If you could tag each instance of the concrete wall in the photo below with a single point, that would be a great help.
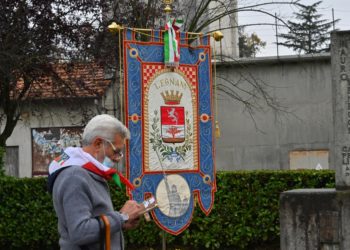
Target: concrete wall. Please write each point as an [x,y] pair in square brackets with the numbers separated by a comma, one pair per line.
[315,219]
[341,106]
[302,84]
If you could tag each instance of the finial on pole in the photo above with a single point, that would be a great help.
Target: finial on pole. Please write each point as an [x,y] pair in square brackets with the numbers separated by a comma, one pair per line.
[217,36]
[114,27]
[168,8]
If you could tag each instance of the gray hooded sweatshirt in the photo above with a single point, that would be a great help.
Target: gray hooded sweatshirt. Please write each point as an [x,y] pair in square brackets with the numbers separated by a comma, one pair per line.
[79,196]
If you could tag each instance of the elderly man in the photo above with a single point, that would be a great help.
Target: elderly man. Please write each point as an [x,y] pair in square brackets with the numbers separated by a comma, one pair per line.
[78,181]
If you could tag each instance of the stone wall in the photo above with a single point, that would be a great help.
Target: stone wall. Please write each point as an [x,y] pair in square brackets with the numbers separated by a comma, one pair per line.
[315,219]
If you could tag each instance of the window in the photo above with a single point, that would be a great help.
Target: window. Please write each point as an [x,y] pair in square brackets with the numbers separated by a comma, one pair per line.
[309,159]
[11,161]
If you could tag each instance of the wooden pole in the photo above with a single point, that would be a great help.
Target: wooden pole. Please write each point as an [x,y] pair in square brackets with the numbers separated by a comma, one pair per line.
[163,240]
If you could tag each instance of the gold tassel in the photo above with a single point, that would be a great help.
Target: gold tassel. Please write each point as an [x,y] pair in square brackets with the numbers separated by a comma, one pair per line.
[217,130]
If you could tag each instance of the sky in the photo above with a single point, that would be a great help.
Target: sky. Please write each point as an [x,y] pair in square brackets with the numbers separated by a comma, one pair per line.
[267,33]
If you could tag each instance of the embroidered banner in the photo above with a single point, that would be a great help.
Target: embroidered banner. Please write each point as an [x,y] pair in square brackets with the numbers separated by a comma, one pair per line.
[169,112]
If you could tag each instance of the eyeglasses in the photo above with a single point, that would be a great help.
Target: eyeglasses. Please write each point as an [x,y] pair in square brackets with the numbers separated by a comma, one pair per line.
[117,152]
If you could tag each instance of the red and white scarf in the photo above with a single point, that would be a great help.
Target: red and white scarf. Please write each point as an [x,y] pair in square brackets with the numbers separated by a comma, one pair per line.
[74,156]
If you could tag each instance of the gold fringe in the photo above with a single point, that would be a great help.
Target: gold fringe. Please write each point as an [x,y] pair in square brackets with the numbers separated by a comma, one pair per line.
[217,130]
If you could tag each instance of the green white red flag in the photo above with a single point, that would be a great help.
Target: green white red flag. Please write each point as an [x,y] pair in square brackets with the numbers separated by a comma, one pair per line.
[172,42]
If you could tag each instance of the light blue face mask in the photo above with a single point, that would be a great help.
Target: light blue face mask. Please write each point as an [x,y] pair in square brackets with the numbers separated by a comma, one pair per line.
[108,162]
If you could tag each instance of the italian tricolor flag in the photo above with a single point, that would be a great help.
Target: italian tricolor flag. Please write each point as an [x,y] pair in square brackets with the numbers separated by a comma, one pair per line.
[171,42]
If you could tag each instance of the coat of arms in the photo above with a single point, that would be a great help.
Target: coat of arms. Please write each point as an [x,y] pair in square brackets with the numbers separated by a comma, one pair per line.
[172,118]
[171,132]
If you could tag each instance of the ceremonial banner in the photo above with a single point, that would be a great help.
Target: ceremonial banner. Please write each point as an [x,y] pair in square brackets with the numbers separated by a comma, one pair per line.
[170,154]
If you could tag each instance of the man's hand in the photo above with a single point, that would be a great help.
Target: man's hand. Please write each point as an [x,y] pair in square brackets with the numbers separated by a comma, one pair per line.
[133,209]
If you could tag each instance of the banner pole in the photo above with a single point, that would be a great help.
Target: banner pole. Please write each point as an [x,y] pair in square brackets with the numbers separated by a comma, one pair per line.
[163,240]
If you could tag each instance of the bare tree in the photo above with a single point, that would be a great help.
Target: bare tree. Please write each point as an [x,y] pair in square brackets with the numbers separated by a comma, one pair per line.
[210,11]
[36,36]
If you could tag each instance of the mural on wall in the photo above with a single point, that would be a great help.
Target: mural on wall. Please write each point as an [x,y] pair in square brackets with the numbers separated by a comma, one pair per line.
[48,143]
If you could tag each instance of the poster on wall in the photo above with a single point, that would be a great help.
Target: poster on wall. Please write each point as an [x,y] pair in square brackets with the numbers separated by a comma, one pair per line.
[48,143]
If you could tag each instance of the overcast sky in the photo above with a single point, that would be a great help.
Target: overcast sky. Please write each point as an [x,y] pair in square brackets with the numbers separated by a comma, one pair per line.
[268,33]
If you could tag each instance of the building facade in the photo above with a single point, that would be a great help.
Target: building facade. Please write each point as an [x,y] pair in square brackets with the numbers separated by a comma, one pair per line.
[301,136]
[298,137]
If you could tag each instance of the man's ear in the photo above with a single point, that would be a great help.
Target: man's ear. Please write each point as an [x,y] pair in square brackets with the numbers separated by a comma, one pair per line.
[97,142]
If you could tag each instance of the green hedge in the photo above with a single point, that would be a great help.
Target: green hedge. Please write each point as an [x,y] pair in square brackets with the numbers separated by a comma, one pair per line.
[244,216]
[2,163]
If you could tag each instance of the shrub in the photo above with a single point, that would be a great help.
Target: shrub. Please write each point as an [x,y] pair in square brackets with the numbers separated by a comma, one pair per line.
[2,163]
[28,219]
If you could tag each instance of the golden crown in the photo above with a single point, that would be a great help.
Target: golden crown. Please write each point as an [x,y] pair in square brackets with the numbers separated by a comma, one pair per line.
[170,97]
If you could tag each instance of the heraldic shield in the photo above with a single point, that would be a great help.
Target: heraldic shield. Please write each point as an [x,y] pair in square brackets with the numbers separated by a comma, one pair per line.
[170,154]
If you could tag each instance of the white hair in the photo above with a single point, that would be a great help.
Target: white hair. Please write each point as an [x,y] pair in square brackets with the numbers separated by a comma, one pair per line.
[104,126]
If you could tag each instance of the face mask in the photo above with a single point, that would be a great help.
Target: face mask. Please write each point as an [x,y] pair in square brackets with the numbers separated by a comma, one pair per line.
[108,162]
